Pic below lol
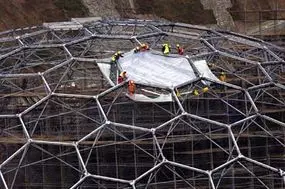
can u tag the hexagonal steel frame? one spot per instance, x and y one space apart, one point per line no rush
252 67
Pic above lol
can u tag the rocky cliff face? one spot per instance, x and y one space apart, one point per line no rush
22 13
176 10
227 14
104 8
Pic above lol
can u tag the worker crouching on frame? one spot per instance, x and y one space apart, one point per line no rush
166 49
143 47
122 77
131 87
114 66
180 49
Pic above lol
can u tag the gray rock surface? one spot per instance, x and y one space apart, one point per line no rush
102 8
219 7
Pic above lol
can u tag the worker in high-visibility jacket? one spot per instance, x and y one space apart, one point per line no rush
131 87
180 50
196 92
122 77
141 48
114 67
166 49
144 47
116 56
205 89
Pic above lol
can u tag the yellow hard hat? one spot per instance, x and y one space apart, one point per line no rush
205 89
119 52
122 74
177 45
223 73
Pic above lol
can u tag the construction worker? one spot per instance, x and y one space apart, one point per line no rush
113 68
131 87
177 93
116 56
137 49
222 77
195 92
166 49
144 47
122 77
205 89
180 50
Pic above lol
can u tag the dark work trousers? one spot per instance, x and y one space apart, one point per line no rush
113 71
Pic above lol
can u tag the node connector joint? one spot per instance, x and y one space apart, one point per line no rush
258 113
184 113
240 156
209 172
133 182
281 173
30 140
86 174
75 144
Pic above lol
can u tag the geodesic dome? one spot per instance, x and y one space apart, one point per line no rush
65 125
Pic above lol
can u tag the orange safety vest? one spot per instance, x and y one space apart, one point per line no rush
131 87
144 47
